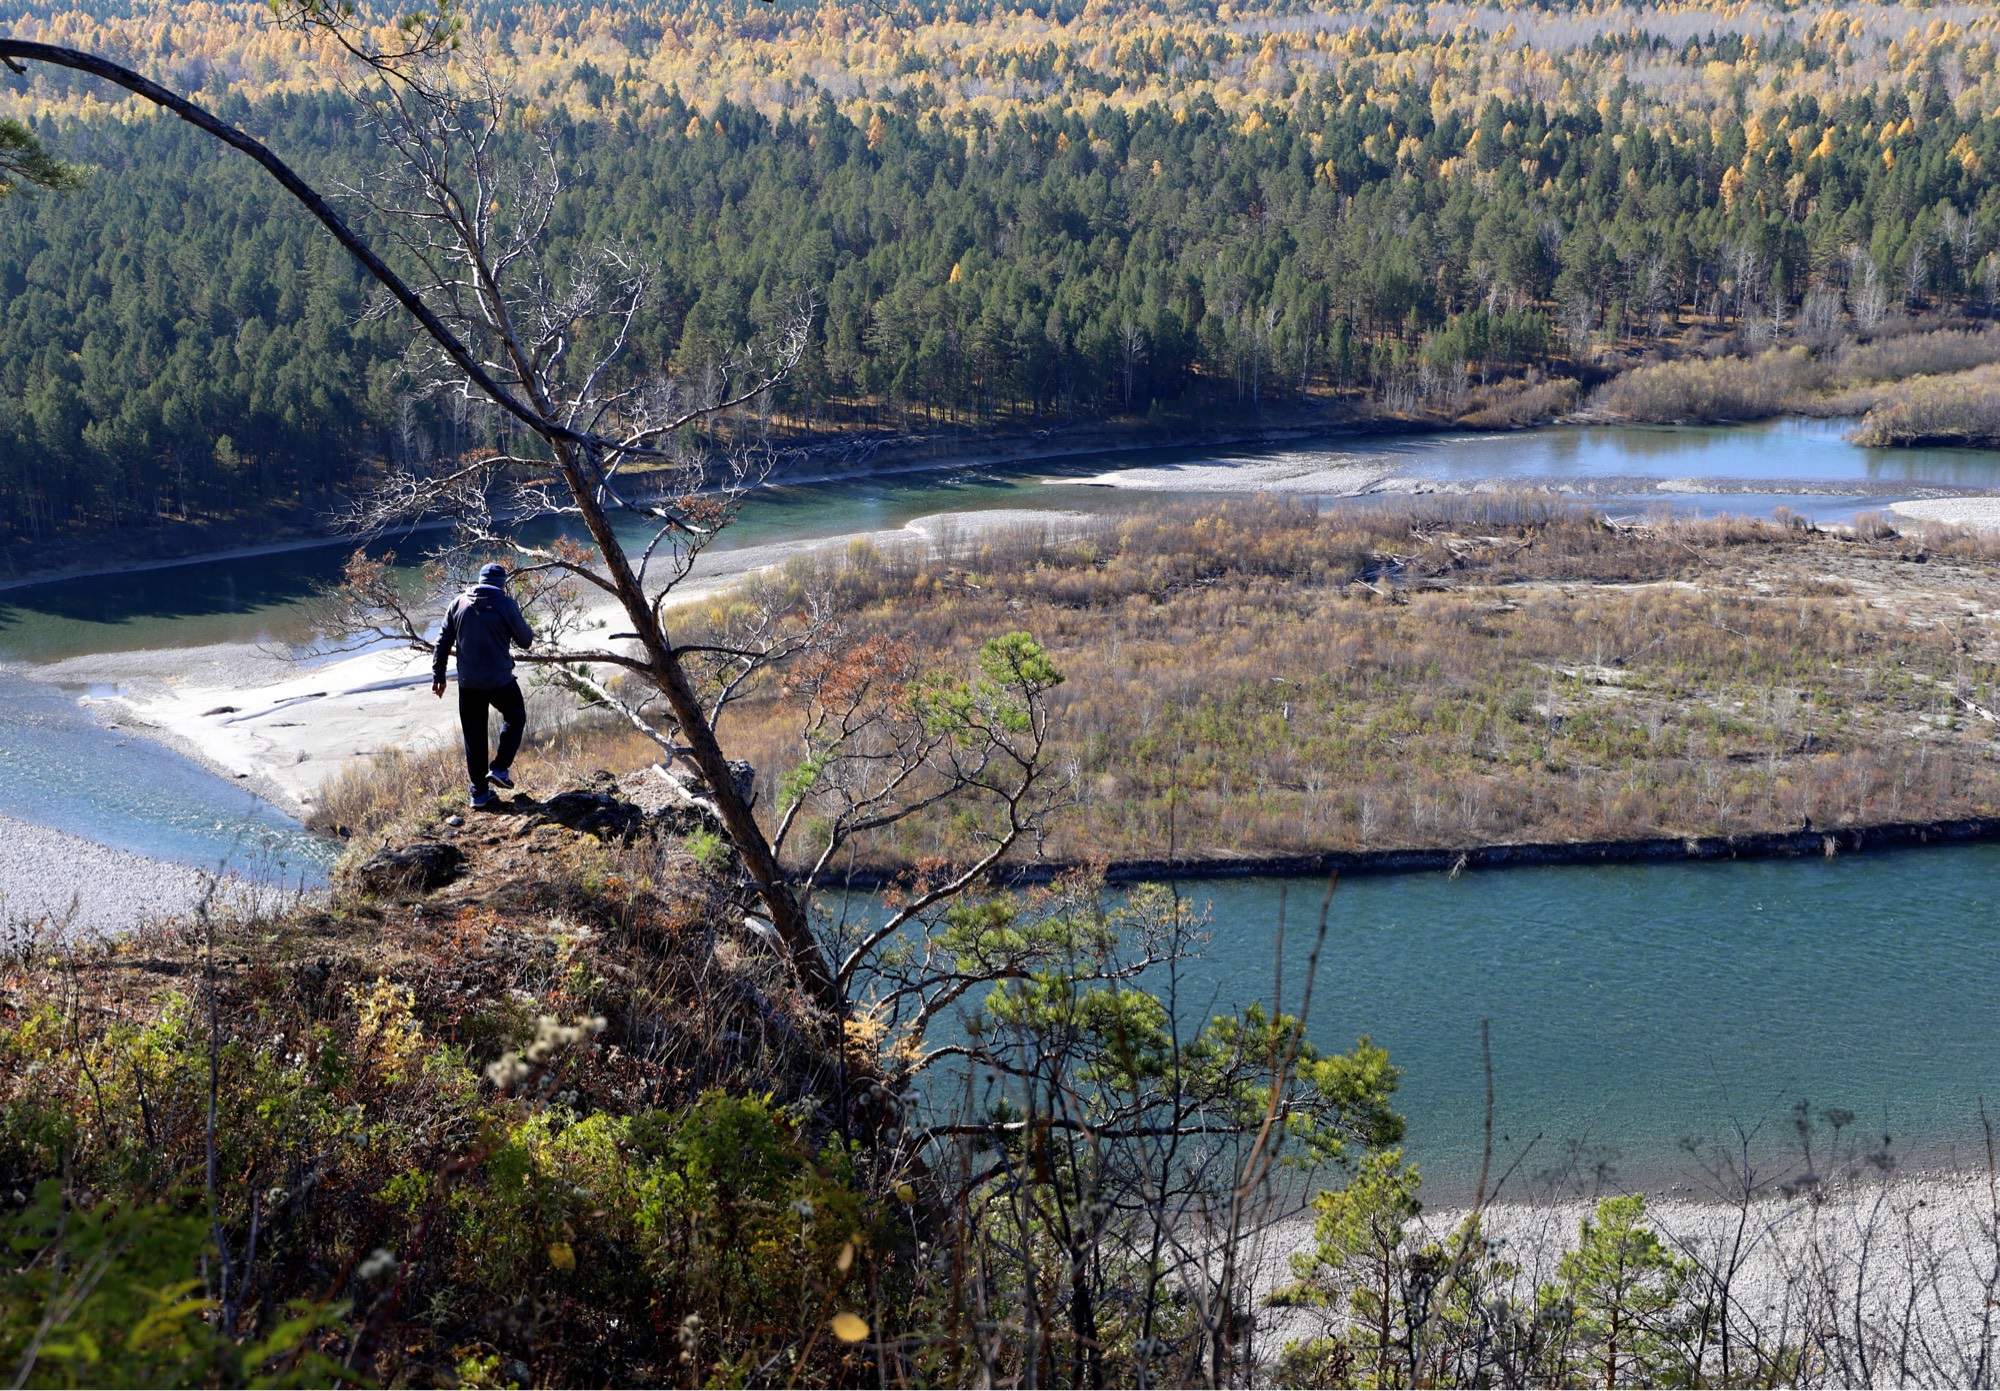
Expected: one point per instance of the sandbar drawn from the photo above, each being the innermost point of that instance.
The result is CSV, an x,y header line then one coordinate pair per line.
x,y
285,728
1316,473
1982,513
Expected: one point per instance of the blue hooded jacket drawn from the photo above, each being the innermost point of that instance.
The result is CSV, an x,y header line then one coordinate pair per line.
x,y
480,624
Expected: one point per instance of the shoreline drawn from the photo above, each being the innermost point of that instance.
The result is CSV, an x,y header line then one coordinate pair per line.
x,y
1829,843
283,729
947,458
137,567
1932,1234
1919,503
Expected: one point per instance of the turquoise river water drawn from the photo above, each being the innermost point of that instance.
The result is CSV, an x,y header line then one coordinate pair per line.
x,y
1635,1009
1631,1009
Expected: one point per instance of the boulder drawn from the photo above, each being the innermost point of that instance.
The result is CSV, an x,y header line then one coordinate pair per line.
x,y
420,866
595,813
645,786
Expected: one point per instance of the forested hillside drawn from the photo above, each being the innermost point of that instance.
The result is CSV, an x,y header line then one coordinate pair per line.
x,y
179,342
1005,218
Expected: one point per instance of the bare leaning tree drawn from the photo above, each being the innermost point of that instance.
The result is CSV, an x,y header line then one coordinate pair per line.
x,y
595,439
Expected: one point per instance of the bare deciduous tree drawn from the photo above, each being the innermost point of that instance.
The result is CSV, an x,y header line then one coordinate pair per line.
x,y
1867,299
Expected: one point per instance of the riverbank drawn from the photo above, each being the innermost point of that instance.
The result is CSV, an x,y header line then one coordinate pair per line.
x,y
285,728
836,461
56,887
1455,860
1875,381
1851,380
1269,466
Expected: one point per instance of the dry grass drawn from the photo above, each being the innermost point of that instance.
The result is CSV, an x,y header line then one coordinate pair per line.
x,y
1961,409
364,799
364,802
1917,354
1256,678
1513,404
1857,379
1696,389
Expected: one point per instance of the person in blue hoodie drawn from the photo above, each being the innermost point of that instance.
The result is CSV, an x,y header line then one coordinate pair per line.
x,y
483,625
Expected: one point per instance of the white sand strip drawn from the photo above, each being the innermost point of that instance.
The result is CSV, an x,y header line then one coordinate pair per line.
x,y
285,731
1868,1256
288,737
949,532
1323,474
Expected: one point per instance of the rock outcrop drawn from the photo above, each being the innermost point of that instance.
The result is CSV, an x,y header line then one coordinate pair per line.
x,y
417,867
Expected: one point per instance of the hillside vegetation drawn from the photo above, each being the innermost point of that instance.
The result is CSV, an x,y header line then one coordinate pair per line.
x,y
554,1115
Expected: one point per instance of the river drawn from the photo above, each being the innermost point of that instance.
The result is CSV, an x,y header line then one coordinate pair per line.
x,y
1634,1008
1631,1008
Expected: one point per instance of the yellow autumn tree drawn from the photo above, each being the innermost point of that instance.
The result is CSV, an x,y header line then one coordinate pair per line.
x,y
1732,186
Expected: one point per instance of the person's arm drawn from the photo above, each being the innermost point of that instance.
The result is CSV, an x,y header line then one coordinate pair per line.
x,y
442,652
518,628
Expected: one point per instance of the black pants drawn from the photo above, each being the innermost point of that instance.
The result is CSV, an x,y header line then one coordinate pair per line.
x,y
472,704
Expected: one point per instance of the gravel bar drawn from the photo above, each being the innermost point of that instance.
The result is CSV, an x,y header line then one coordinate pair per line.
x,y
55,884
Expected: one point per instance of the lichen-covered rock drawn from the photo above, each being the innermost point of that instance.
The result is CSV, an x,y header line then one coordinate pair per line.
x,y
667,790
744,774
421,866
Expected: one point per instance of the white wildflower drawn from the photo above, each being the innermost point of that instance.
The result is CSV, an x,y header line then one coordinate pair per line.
x,y
507,1069
551,1035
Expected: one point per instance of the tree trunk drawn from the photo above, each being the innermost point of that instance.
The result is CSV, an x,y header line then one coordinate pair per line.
x,y
788,914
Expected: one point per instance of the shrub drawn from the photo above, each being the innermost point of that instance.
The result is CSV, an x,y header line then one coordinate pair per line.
x,y
1963,409
1513,404
1918,354
108,1294
1721,389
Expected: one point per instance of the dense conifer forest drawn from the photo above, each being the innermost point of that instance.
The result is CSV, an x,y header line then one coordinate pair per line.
x,y
1153,211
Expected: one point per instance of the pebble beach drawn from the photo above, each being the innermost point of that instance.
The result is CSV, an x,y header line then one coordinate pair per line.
x,y
54,884
1897,1269
1980,513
